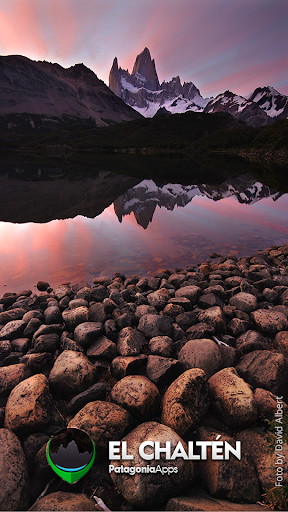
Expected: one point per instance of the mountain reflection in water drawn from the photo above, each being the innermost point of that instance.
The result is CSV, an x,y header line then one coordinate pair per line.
x,y
182,225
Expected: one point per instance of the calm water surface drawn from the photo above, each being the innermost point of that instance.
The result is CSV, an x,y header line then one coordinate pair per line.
x,y
145,228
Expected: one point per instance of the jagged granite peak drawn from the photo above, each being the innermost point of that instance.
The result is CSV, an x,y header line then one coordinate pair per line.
x,y
271,101
239,107
142,91
145,67
55,95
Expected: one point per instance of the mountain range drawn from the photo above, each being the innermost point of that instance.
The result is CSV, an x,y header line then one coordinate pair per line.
x,y
142,91
47,96
144,197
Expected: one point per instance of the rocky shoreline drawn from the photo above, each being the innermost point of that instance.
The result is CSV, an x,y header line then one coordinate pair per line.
x,y
187,356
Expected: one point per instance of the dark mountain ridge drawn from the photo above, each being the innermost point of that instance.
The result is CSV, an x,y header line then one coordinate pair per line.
x,y
46,96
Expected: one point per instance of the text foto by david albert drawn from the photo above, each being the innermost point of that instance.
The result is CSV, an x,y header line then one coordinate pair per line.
x,y
154,450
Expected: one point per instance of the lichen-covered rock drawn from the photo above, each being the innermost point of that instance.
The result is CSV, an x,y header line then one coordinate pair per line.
x,y
201,353
138,395
151,490
71,374
103,421
232,398
185,401
28,406
14,475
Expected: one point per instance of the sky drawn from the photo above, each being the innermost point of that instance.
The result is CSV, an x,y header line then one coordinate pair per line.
x,y
217,44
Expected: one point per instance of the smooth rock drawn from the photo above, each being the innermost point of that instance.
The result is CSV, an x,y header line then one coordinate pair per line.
x,y
53,315
14,482
103,421
97,313
232,398
61,291
151,490
185,401
201,353
46,343
138,395
71,374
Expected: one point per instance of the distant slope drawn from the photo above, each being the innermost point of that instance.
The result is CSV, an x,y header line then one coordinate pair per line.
x,y
45,96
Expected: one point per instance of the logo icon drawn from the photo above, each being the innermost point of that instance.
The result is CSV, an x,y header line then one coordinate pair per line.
x,y
71,453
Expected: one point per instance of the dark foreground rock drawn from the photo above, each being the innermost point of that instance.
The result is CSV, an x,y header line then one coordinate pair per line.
x,y
197,354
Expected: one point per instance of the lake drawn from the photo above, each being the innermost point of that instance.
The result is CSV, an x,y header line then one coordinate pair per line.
x,y
59,226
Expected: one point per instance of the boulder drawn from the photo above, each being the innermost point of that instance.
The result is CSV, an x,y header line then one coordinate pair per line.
x,y
61,291
87,332
233,479
65,501
200,500
130,342
102,347
281,342
12,330
45,343
129,365
264,369
267,404
155,325
74,317
161,346
200,330
251,340
213,316
151,490
71,374
138,395
232,399
97,313
163,370
53,315
96,392
103,421
269,322
244,301
11,375
31,446
201,353
28,406
185,401
190,292
14,481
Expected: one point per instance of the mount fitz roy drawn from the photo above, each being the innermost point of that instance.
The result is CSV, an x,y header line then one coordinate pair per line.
x,y
142,91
